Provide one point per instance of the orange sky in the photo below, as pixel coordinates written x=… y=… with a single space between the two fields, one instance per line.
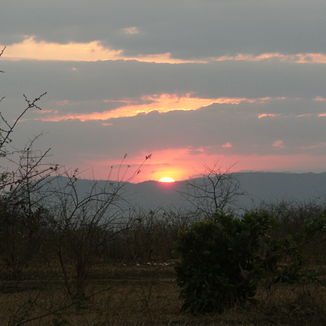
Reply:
x=194 y=83
x=186 y=162
x=182 y=164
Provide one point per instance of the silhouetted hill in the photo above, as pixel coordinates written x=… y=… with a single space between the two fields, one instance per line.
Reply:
x=258 y=187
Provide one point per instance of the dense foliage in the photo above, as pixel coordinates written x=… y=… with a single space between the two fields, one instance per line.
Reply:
x=222 y=262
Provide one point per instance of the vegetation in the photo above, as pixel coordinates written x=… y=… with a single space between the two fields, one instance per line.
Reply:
x=223 y=262
x=131 y=278
x=68 y=258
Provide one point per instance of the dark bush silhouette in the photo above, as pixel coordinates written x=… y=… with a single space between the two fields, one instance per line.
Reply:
x=222 y=262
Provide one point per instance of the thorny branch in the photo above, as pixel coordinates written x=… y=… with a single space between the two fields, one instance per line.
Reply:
x=31 y=104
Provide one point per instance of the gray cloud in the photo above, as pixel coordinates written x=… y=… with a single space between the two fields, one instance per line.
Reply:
x=209 y=128
x=189 y=28
x=114 y=80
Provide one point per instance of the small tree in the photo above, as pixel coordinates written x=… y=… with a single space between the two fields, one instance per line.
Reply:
x=79 y=224
x=214 y=192
x=22 y=175
x=83 y=223
x=222 y=262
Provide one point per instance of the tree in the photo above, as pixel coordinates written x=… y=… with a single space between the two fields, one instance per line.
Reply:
x=215 y=192
x=223 y=261
x=83 y=222
x=80 y=223
x=22 y=176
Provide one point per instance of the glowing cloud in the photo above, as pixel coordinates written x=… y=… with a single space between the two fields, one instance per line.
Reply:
x=31 y=49
x=161 y=103
x=267 y=115
x=278 y=144
x=227 y=145
x=47 y=111
x=305 y=115
x=319 y=99
x=302 y=58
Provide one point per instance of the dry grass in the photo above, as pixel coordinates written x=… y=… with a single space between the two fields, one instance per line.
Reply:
x=147 y=295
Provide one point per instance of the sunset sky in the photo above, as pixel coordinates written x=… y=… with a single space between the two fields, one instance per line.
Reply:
x=195 y=83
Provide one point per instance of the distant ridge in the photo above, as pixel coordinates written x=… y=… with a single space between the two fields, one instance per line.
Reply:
x=270 y=187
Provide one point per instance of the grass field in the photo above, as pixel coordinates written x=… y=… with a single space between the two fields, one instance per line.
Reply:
x=145 y=295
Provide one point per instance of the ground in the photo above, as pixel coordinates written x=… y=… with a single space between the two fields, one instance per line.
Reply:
x=135 y=295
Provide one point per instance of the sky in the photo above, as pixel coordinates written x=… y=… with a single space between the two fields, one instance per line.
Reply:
x=190 y=84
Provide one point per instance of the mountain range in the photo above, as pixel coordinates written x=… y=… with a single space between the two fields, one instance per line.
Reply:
x=257 y=188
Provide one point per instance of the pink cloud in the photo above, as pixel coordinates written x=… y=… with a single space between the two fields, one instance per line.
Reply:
x=278 y=144
x=303 y=58
x=43 y=111
x=227 y=145
x=314 y=146
x=31 y=49
x=305 y=115
x=267 y=115
x=319 y=99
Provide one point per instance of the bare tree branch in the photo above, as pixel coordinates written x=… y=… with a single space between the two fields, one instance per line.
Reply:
x=214 y=192
x=30 y=105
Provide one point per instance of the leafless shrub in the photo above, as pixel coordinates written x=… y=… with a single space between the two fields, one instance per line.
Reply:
x=22 y=174
x=79 y=223
x=83 y=223
x=215 y=192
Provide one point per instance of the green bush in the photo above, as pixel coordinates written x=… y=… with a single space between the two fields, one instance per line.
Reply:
x=316 y=225
x=221 y=262
x=315 y=240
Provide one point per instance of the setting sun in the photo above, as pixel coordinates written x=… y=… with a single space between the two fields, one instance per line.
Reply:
x=166 y=179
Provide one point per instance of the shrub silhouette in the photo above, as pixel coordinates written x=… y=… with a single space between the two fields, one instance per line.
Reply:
x=221 y=262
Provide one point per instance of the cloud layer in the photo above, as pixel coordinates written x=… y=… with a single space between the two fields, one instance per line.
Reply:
x=31 y=49
x=194 y=82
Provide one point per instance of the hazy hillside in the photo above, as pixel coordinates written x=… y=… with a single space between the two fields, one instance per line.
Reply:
x=257 y=186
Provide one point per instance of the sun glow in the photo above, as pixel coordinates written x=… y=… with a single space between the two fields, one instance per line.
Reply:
x=166 y=180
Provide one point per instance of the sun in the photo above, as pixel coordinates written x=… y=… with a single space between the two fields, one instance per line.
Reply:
x=166 y=180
